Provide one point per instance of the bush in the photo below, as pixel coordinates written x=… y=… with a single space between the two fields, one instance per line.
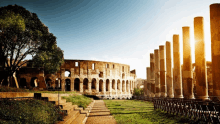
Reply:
x=29 y=111
x=138 y=91
x=80 y=100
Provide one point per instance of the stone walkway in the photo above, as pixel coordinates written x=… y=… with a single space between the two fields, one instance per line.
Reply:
x=100 y=114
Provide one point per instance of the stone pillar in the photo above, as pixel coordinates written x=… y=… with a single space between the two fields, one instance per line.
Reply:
x=169 y=76
x=71 y=84
x=97 y=85
x=90 y=85
x=187 y=65
x=178 y=92
x=148 y=82
x=62 y=79
x=163 y=86
x=63 y=85
x=157 y=72
x=104 y=87
x=200 y=61
x=152 y=75
x=215 y=45
x=81 y=86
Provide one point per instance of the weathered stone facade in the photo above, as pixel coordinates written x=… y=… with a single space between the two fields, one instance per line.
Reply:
x=105 y=79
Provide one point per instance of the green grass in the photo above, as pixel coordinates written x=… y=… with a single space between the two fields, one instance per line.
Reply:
x=80 y=100
x=30 y=111
x=140 y=112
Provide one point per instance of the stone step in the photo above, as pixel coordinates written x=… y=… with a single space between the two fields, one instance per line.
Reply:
x=79 y=109
x=69 y=109
x=65 y=104
x=70 y=117
x=79 y=120
x=54 y=99
x=61 y=102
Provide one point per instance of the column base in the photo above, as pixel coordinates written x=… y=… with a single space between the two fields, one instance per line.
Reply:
x=203 y=97
x=170 y=96
x=179 y=96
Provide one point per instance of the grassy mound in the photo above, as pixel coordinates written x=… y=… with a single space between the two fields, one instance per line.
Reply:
x=80 y=100
x=29 y=111
x=140 y=112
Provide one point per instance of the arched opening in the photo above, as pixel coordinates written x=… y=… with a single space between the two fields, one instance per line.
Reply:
x=107 y=85
x=85 y=84
x=123 y=76
x=34 y=82
x=127 y=86
x=100 y=85
x=23 y=83
x=113 y=84
x=76 y=84
x=58 y=83
x=123 y=86
x=49 y=82
x=118 y=85
x=67 y=84
x=130 y=85
x=93 y=84
x=67 y=73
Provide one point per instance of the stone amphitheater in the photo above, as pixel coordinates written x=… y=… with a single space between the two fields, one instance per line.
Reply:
x=107 y=80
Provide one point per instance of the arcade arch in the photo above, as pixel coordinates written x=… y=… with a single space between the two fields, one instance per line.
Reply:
x=76 y=84
x=85 y=84
x=101 y=85
x=107 y=85
x=67 y=84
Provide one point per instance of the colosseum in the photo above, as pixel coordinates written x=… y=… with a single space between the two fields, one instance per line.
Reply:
x=107 y=80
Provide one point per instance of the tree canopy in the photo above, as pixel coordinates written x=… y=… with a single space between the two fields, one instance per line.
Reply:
x=22 y=34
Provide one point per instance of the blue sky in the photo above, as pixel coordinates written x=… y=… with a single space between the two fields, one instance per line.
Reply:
x=122 y=31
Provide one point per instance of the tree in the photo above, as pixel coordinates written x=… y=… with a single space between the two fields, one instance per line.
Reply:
x=51 y=60
x=21 y=34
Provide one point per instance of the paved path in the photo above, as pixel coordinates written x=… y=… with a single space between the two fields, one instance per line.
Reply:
x=100 y=114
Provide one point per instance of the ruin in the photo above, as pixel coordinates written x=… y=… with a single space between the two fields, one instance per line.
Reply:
x=169 y=77
x=107 y=80
x=163 y=86
x=177 y=85
x=215 y=45
x=157 y=72
x=200 y=61
x=187 y=65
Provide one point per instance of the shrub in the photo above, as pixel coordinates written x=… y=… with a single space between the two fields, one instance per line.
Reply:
x=138 y=91
x=29 y=111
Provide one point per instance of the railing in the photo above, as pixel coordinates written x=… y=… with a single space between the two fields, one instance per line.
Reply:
x=207 y=111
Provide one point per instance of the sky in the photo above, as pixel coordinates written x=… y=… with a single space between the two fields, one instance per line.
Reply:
x=121 y=31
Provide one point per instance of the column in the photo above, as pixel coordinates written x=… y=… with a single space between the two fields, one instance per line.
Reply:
x=215 y=45
x=169 y=76
x=110 y=87
x=178 y=92
x=63 y=79
x=90 y=85
x=163 y=87
x=97 y=85
x=81 y=86
x=200 y=61
x=187 y=65
x=157 y=72
x=148 y=82
x=152 y=75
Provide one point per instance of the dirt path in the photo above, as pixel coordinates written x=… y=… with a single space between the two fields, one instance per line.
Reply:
x=100 y=114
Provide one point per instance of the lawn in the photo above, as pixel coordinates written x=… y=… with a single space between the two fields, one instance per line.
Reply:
x=80 y=100
x=140 y=112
